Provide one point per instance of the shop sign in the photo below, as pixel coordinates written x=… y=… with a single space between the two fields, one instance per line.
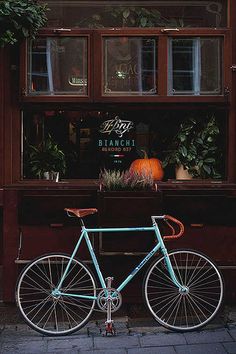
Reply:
x=116 y=125
x=116 y=140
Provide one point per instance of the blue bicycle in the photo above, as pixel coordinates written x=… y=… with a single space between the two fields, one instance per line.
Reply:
x=56 y=293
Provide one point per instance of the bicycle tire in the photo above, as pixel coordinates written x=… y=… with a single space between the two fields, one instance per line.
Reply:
x=180 y=311
x=44 y=312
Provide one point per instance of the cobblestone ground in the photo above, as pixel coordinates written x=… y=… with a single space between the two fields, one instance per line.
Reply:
x=134 y=336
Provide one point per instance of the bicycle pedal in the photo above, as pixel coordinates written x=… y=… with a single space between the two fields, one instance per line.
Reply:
x=110 y=328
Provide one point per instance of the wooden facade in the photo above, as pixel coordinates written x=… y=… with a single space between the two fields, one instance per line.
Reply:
x=32 y=221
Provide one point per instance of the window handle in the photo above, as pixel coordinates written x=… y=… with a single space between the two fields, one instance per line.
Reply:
x=59 y=30
x=170 y=30
x=233 y=67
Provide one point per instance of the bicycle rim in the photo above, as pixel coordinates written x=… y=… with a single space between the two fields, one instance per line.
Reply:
x=198 y=305
x=47 y=314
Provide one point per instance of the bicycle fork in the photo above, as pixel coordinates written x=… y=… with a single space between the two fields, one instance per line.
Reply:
x=183 y=289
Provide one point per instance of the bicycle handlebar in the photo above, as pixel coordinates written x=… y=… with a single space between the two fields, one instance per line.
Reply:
x=168 y=218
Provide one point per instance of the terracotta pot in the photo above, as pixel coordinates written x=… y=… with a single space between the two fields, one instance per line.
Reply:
x=182 y=173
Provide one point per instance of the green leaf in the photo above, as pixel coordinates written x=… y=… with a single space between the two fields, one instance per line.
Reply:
x=207 y=169
x=143 y=21
x=182 y=137
x=209 y=160
x=183 y=151
x=126 y=13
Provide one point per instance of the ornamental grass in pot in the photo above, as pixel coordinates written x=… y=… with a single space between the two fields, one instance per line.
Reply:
x=115 y=180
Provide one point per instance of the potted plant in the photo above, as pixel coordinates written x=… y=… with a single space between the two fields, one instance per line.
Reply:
x=194 y=148
x=20 y=19
x=115 y=180
x=46 y=160
x=127 y=198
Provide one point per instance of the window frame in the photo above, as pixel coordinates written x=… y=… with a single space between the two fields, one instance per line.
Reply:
x=163 y=36
x=59 y=33
x=195 y=68
x=95 y=65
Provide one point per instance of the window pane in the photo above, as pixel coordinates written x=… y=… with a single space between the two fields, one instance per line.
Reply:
x=195 y=66
x=182 y=67
x=58 y=66
x=93 y=140
x=129 y=66
x=211 y=65
x=109 y=13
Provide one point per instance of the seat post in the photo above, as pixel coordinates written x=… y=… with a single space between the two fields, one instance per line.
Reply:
x=81 y=222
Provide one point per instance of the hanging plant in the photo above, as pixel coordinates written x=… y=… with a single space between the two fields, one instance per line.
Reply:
x=20 y=19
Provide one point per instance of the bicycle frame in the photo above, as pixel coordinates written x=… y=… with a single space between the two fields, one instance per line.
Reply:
x=85 y=235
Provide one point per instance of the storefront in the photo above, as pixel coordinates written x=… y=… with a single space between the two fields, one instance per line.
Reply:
x=106 y=83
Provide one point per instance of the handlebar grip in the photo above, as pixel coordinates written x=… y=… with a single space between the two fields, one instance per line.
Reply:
x=176 y=221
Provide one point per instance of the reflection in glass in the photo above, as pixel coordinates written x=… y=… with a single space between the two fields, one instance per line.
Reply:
x=93 y=140
x=195 y=66
x=141 y=13
x=129 y=66
x=58 y=66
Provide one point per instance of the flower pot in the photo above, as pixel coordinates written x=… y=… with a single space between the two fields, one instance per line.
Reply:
x=51 y=176
x=182 y=173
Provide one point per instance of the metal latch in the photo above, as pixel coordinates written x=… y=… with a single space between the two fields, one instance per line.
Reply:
x=61 y=30
x=170 y=30
x=233 y=67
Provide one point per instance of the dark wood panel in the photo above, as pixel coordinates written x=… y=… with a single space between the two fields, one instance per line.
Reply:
x=10 y=243
x=1 y=197
x=48 y=208
x=36 y=241
x=1 y=235
x=126 y=242
x=201 y=208
x=128 y=208
x=219 y=243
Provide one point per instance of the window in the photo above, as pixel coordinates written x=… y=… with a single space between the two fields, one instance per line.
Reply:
x=92 y=140
x=129 y=66
x=108 y=94
x=195 y=66
x=58 y=66
x=134 y=65
x=142 y=13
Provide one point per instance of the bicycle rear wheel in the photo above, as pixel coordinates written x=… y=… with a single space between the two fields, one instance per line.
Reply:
x=46 y=313
x=177 y=310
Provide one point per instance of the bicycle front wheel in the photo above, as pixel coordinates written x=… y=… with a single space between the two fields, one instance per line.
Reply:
x=49 y=314
x=184 y=310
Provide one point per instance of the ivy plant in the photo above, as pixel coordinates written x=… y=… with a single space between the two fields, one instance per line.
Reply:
x=20 y=19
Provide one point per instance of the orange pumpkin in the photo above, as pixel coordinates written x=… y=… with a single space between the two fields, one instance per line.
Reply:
x=149 y=166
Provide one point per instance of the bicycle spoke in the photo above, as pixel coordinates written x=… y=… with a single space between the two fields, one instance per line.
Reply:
x=59 y=314
x=188 y=308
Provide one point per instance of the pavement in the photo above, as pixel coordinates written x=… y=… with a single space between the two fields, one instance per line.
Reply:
x=136 y=333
